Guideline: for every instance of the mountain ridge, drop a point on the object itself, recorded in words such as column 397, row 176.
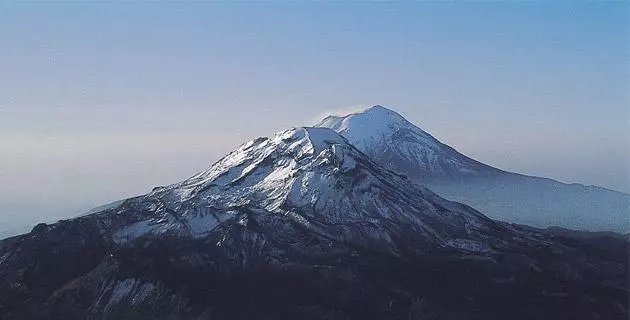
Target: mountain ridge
column 500, row 194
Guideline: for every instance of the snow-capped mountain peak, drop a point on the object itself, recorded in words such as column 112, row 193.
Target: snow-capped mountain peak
column 313, row 178
column 387, row 137
column 287, row 150
column 373, row 125
column 396, row 144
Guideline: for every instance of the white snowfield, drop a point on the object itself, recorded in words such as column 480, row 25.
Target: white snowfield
column 395, row 143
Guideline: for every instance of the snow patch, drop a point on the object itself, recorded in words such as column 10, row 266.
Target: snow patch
column 122, row 290
column 102, row 208
column 130, row 290
column 468, row 245
column 202, row 224
column 132, row 232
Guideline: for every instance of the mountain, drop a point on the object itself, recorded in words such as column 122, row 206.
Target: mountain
column 395, row 143
column 388, row 138
column 303, row 225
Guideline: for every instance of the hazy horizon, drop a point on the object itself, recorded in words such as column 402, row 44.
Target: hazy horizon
column 104, row 101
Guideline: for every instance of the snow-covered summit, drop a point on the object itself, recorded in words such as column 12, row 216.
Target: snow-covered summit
column 387, row 137
column 288, row 150
column 373, row 125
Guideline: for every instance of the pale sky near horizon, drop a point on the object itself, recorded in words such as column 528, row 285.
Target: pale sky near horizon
column 103, row 101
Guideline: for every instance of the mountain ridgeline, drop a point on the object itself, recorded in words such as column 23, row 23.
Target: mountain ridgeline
column 396, row 144
column 309, row 224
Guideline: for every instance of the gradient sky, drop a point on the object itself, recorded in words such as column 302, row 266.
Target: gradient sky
column 104, row 101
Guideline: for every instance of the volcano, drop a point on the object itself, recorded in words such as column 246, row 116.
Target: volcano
column 306, row 225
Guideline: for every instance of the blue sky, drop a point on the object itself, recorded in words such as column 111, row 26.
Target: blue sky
column 102, row 101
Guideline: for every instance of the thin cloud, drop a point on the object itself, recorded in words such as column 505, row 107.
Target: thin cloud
column 340, row 112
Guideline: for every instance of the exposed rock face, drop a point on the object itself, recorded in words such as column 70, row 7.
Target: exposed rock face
column 303, row 225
